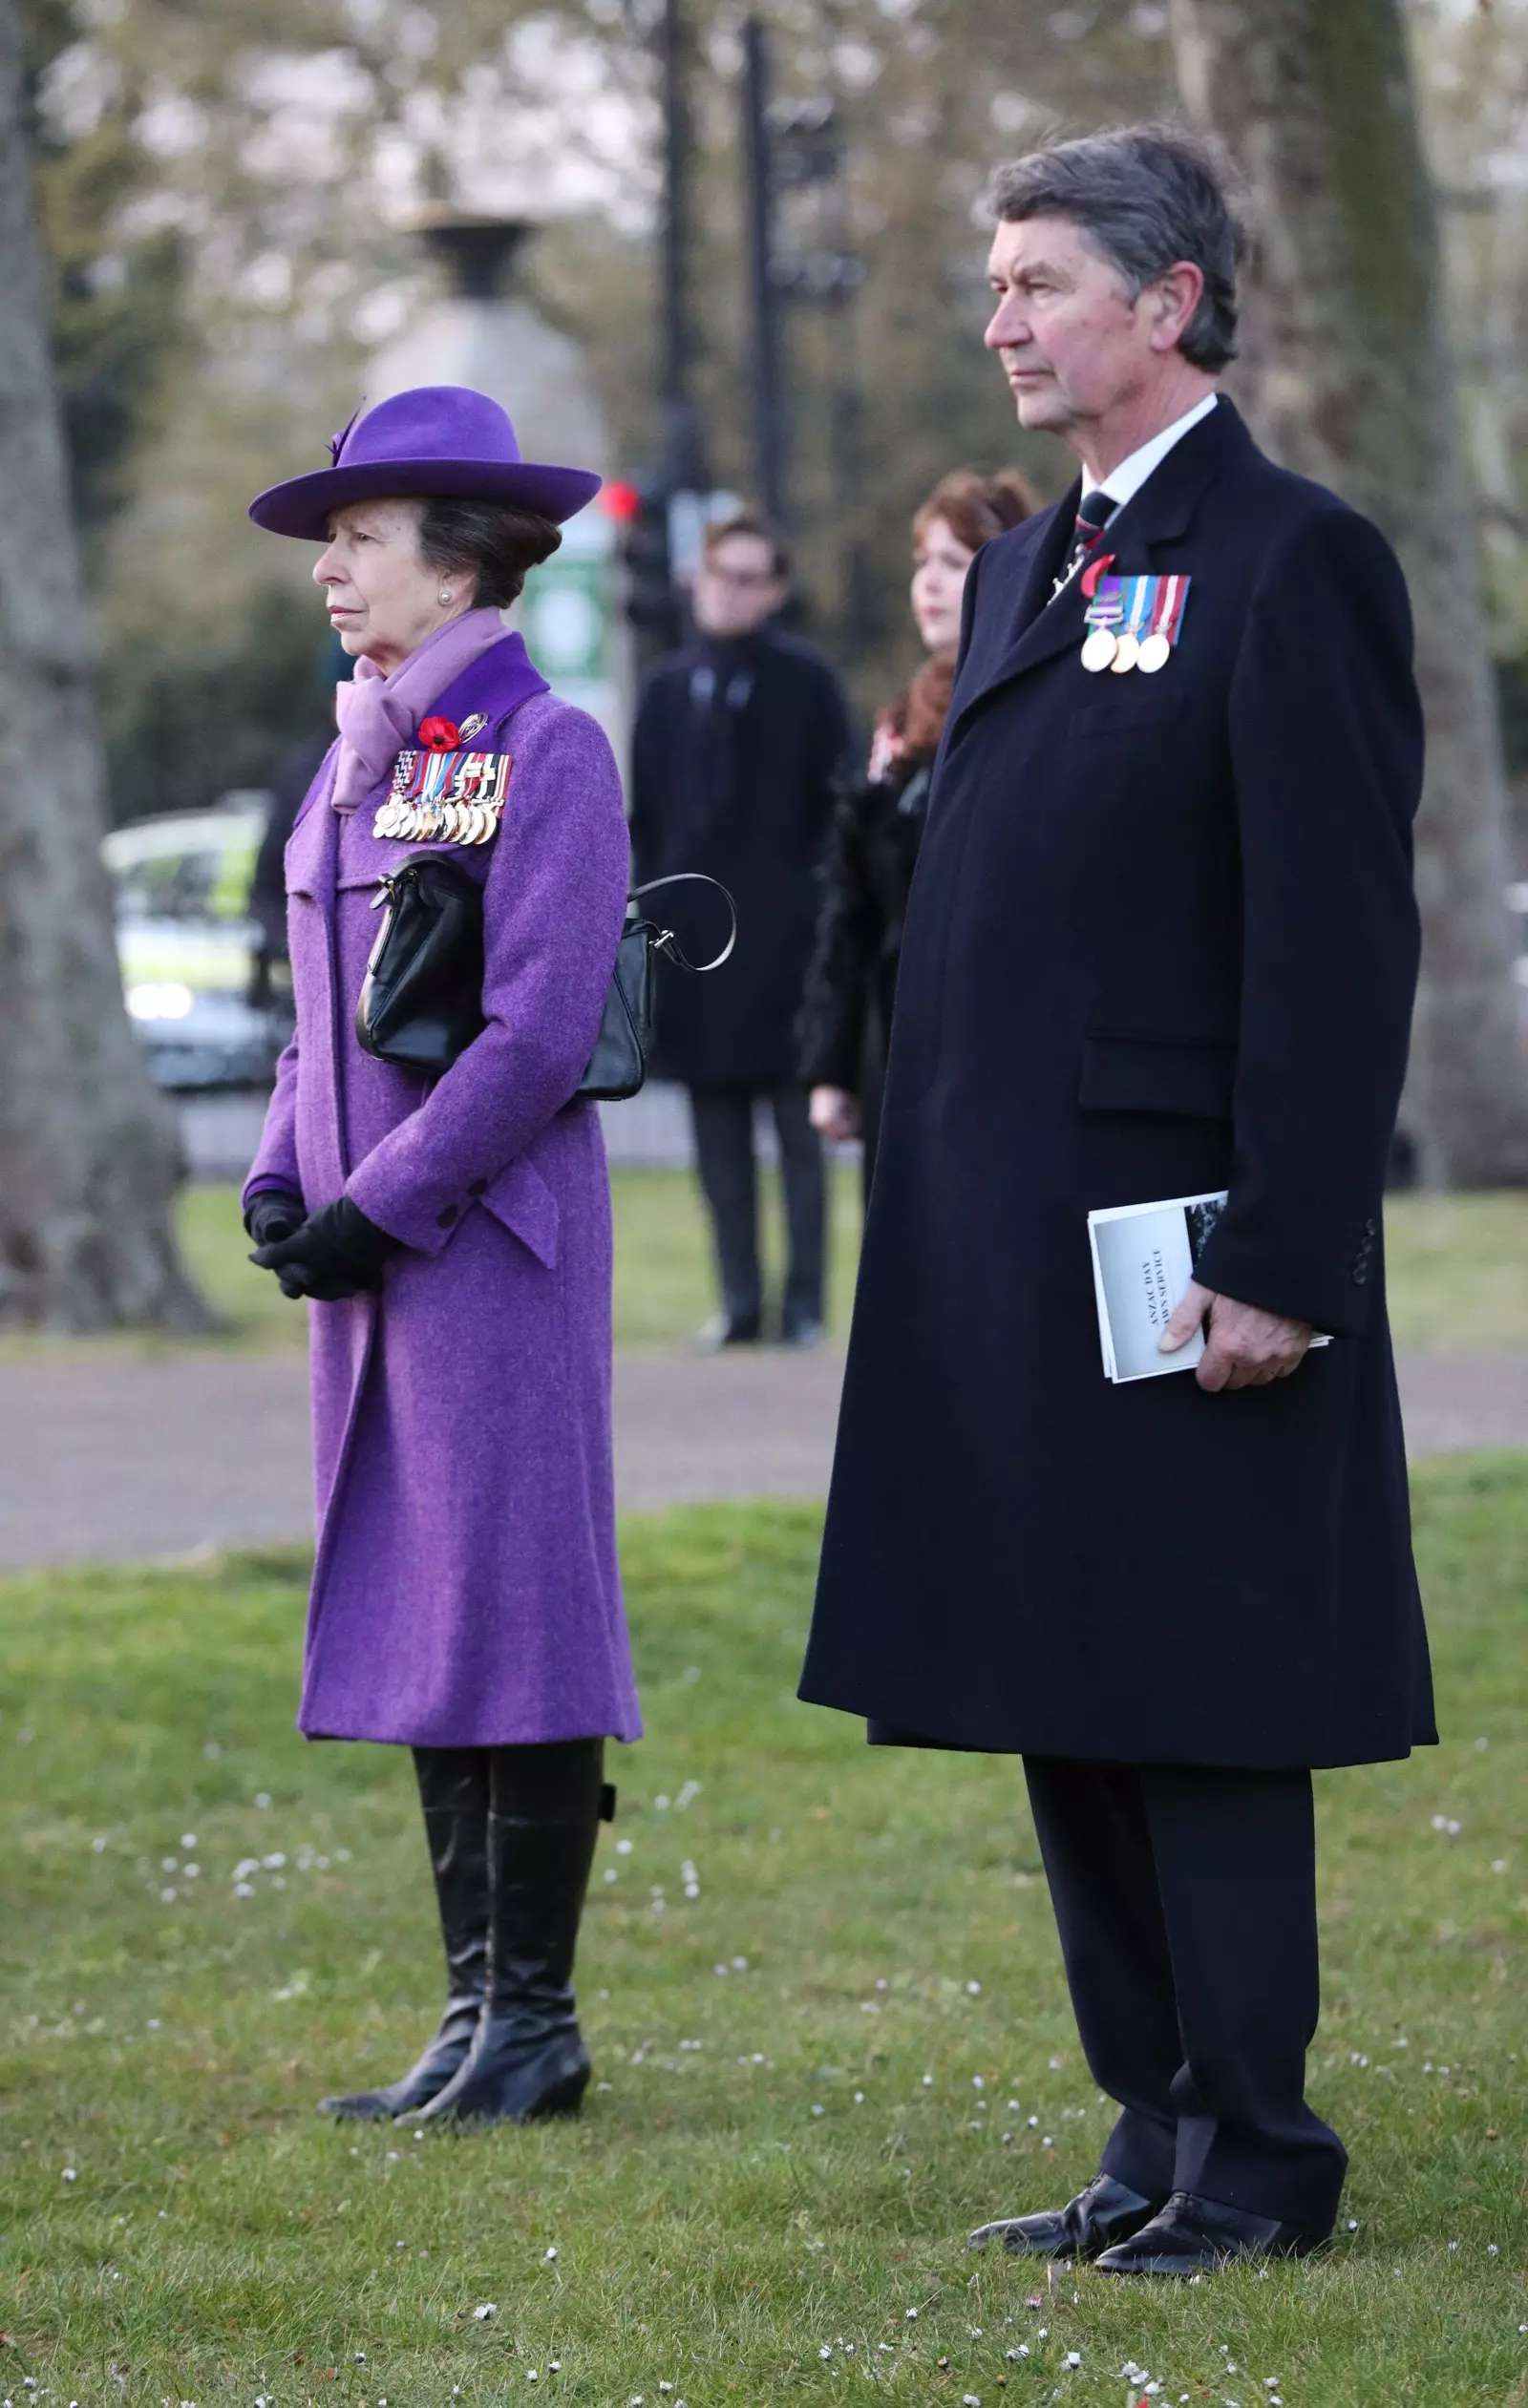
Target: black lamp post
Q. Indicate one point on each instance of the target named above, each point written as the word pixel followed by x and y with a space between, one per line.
pixel 819 267
pixel 653 603
pixel 764 290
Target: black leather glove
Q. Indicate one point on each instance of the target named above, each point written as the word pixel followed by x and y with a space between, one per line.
pixel 273 1215
pixel 335 1252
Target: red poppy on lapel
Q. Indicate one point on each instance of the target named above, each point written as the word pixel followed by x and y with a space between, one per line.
pixel 1089 581
pixel 439 735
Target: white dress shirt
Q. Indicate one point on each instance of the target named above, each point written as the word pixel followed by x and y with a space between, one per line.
pixel 1124 482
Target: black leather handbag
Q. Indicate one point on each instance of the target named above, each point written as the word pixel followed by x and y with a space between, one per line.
pixel 618 1066
pixel 421 999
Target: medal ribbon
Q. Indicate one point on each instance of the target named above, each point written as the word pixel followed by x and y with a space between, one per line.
pixel 1108 603
pixel 431 778
pixel 1167 617
pixel 1141 593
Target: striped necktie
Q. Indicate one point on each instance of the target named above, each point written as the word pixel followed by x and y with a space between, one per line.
pixel 1093 514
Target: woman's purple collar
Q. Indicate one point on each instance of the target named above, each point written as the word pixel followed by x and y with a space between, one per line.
pixel 379 715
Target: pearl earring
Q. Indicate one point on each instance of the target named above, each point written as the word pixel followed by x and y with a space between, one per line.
pixel 445 599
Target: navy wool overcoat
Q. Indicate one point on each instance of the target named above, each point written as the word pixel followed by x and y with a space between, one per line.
pixel 1161 940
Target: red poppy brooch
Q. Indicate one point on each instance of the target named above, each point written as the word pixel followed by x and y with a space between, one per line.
pixel 439 735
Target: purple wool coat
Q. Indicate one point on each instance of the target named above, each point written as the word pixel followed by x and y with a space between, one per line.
pixel 465 1591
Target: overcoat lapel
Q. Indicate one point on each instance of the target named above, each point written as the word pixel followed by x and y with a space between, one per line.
pixel 1045 564
pixel 1152 521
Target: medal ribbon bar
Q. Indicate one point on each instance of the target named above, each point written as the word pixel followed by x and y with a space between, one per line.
pixel 1133 622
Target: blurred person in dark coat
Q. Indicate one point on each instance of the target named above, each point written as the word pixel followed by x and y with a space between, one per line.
pixel 878 823
pixel 1162 941
pixel 290 779
pixel 293 776
pixel 738 738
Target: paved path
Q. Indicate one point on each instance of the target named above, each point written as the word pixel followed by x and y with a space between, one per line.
pixel 125 1461
pixel 650 1131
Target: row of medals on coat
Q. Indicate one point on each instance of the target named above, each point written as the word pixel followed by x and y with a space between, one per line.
pixel 1132 621
pixel 453 796
pixel 453 823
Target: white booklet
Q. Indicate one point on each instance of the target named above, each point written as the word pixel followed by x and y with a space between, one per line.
pixel 1143 1257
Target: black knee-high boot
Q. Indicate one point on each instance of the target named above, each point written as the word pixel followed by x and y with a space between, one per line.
pixel 527 2058
pixel 453 1791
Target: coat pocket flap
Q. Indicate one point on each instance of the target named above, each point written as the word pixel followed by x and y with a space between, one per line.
pixel 1156 1075
pixel 520 1200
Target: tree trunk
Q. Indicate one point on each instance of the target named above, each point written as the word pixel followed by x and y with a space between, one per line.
pixel 88 1159
pixel 1350 380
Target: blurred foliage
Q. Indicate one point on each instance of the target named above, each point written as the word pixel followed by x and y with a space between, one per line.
pixel 928 95
pixel 225 195
pixel 184 727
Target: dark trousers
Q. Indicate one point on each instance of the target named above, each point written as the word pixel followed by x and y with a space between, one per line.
pixel 724 1152
pixel 1185 1898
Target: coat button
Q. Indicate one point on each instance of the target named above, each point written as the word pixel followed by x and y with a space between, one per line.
pixel 446 1219
pixel 477 1187
pixel 1369 1227
pixel 1360 1278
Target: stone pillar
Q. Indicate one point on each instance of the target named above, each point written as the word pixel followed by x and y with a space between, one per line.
pixel 483 333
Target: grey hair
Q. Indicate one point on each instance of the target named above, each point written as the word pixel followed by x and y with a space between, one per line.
pixel 1145 196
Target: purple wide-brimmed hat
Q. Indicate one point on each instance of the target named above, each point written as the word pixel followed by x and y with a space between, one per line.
pixel 435 439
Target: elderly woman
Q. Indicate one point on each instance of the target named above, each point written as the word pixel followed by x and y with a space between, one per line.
pixel 452 1234
pixel 879 824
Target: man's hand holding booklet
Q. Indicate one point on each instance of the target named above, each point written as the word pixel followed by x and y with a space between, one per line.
pixel 1152 1311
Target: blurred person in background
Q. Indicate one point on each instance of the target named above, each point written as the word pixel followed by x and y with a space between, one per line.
pixel 738 738
pixel 452 1234
pixel 293 774
pixel 290 779
pixel 878 823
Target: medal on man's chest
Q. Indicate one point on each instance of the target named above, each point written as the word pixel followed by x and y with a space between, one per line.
pixel 1099 646
pixel 1100 642
pixel 455 797
pixel 1133 622
pixel 1127 651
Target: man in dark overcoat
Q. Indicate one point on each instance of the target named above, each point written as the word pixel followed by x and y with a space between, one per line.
pixel 738 738
pixel 1162 942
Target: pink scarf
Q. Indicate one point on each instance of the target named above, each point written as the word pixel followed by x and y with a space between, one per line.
pixel 378 714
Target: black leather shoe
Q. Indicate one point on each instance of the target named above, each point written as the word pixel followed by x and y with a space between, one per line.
pixel 1107 2211
pixel 1195 2236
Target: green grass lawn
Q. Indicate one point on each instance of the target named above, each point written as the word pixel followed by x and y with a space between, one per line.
pixel 813 2076
pixel 1458 1268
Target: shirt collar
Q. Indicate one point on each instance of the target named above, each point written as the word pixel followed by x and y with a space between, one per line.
pixel 1125 482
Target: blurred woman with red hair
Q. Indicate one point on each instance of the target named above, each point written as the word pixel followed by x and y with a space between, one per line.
pixel 846 1019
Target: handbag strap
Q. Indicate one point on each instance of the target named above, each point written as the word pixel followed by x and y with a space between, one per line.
pixel 664 939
